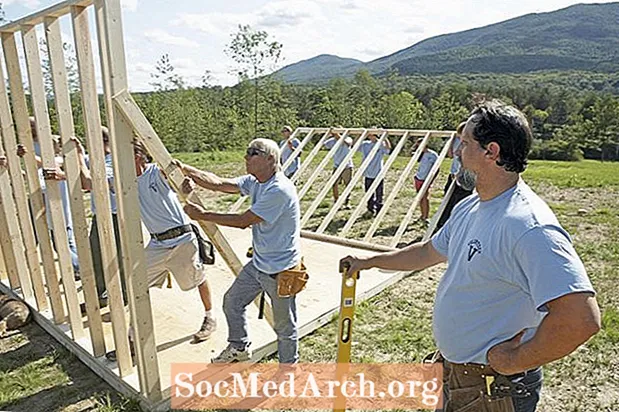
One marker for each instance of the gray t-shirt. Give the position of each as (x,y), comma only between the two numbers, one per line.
(160,208)
(508,257)
(277,239)
(341,152)
(428,158)
(286,152)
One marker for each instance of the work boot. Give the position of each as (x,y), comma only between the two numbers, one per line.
(206,330)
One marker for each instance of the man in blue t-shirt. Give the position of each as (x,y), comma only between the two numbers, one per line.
(375,202)
(54,174)
(274,217)
(515,295)
(287,146)
(426,162)
(340,154)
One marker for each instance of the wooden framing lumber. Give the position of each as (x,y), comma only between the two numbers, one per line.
(22,122)
(424,189)
(10,239)
(307,186)
(396,189)
(392,156)
(44,133)
(310,157)
(64,112)
(333,178)
(100,187)
(113,68)
(359,244)
(368,159)
(56,10)
(439,212)
(3,274)
(21,200)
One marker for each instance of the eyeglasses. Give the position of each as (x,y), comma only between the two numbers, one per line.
(252,151)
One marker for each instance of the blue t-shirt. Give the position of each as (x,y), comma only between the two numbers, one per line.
(276,240)
(428,158)
(341,152)
(109,173)
(508,257)
(286,151)
(376,164)
(455,163)
(160,207)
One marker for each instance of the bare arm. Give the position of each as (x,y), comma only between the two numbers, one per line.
(412,258)
(241,221)
(21,152)
(572,319)
(209,180)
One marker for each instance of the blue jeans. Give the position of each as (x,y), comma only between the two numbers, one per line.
(72,248)
(533,382)
(246,287)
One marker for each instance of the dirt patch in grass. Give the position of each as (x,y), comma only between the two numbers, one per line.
(38,374)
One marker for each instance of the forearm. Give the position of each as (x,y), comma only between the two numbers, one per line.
(557,336)
(412,258)
(209,180)
(85,177)
(225,219)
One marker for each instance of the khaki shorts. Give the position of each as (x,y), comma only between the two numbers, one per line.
(344,177)
(183,261)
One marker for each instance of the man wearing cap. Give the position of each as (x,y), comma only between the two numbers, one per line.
(287,146)
(274,217)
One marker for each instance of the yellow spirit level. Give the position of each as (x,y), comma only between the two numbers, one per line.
(344,336)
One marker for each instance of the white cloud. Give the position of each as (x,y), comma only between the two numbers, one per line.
(29,4)
(288,13)
(129,5)
(217,24)
(163,37)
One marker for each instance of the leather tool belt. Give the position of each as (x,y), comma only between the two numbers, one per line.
(172,233)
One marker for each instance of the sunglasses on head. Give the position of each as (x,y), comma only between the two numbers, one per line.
(252,151)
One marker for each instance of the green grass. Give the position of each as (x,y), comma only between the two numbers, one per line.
(584,174)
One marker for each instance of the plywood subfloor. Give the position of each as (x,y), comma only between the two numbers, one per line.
(177,314)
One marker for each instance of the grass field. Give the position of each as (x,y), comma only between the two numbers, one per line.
(394,326)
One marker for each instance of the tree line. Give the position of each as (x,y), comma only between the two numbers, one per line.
(570,122)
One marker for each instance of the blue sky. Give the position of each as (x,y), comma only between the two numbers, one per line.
(195,32)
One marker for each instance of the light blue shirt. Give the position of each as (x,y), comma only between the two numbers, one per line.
(455,163)
(508,257)
(428,158)
(160,207)
(286,151)
(109,173)
(376,164)
(341,152)
(277,239)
